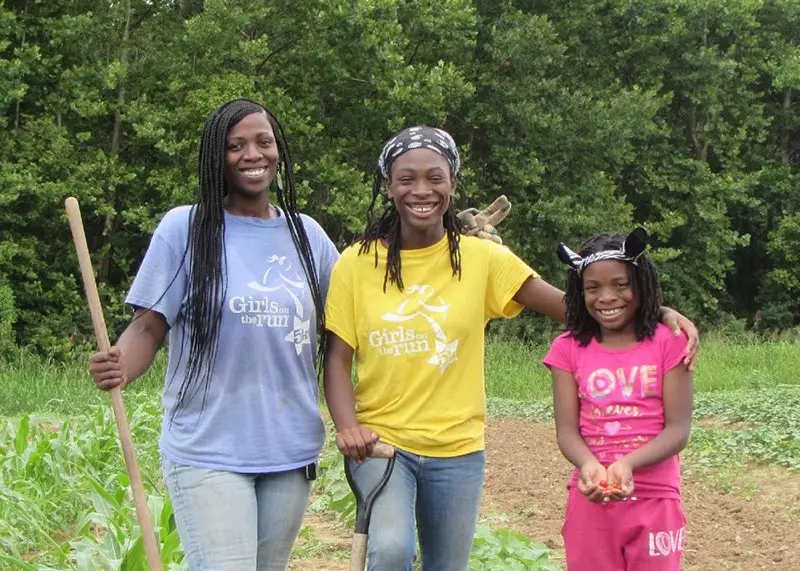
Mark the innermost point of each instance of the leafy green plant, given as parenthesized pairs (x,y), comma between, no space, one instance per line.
(504,550)
(64,493)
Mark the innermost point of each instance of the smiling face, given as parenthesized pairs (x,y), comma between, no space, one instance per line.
(609,297)
(251,156)
(421,188)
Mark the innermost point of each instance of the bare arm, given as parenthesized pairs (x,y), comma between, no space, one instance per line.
(540,296)
(133,353)
(567,407)
(338,384)
(677,323)
(351,438)
(678,393)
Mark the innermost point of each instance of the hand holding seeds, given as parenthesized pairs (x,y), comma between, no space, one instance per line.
(619,484)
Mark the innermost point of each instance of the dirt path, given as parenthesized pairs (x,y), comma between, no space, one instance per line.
(750,528)
(737,521)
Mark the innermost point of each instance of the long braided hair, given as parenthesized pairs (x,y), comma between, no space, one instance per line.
(386,227)
(646,288)
(206,244)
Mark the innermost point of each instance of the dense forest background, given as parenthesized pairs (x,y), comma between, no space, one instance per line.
(590,115)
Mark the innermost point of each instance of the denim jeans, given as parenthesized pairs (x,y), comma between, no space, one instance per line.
(236,522)
(441,495)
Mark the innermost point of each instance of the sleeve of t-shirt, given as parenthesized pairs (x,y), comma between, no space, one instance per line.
(561,353)
(673,347)
(507,273)
(325,252)
(340,305)
(160,283)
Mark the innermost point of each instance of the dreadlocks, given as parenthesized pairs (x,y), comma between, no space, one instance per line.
(387,226)
(646,288)
(206,242)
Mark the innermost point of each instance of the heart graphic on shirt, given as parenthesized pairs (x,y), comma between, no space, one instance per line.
(619,456)
(612,428)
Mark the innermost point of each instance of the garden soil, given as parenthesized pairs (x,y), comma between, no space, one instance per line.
(746,521)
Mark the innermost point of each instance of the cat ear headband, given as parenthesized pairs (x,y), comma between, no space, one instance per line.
(633,247)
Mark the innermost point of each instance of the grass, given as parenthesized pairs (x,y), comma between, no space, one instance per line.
(514,369)
(30,385)
(61,474)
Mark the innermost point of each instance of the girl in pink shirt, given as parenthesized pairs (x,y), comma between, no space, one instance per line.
(623,408)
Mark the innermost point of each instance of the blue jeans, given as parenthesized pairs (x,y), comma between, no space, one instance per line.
(441,495)
(236,522)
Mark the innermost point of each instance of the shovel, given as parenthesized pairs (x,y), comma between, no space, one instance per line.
(364,503)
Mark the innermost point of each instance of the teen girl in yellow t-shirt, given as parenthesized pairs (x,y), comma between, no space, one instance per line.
(410,303)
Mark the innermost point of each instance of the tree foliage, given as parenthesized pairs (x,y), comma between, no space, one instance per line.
(591,116)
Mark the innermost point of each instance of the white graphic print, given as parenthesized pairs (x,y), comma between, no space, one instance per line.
(421,302)
(261,311)
(665,543)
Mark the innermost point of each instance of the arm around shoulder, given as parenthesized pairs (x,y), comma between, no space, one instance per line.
(538,295)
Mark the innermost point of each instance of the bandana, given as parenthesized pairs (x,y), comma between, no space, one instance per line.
(419,137)
(633,247)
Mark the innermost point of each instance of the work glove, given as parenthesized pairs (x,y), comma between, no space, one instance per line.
(482,223)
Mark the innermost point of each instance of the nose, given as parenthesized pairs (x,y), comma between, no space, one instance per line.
(252,152)
(421,188)
(608,295)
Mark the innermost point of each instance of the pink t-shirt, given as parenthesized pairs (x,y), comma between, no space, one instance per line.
(621,404)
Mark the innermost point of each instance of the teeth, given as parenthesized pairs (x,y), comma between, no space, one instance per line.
(610,312)
(421,208)
(254,172)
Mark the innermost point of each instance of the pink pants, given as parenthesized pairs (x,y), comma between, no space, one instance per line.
(631,535)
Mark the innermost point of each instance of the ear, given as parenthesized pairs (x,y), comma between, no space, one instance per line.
(453,184)
(569,257)
(635,243)
(386,190)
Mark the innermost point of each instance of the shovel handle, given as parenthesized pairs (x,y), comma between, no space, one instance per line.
(358,554)
(382,450)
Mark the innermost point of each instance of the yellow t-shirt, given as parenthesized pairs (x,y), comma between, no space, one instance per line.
(419,353)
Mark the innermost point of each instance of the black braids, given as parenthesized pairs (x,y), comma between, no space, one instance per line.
(207,288)
(453,229)
(287,199)
(646,288)
(394,270)
(387,227)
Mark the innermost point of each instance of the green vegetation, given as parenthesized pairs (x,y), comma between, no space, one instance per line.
(64,502)
(514,370)
(64,498)
(590,116)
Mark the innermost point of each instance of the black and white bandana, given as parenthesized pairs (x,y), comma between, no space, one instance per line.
(419,137)
(633,247)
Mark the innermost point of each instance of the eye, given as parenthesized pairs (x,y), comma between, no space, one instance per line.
(590,288)
(266,143)
(405,180)
(437,179)
(623,285)
(233,147)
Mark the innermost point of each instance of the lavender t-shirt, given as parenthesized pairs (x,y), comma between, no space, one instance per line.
(621,401)
(261,412)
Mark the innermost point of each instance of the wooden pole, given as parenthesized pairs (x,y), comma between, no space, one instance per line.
(101,335)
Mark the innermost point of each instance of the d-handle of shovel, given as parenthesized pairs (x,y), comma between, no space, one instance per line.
(358,554)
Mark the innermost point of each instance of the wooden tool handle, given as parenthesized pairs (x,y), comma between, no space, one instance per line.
(382,450)
(101,335)
(358,554)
